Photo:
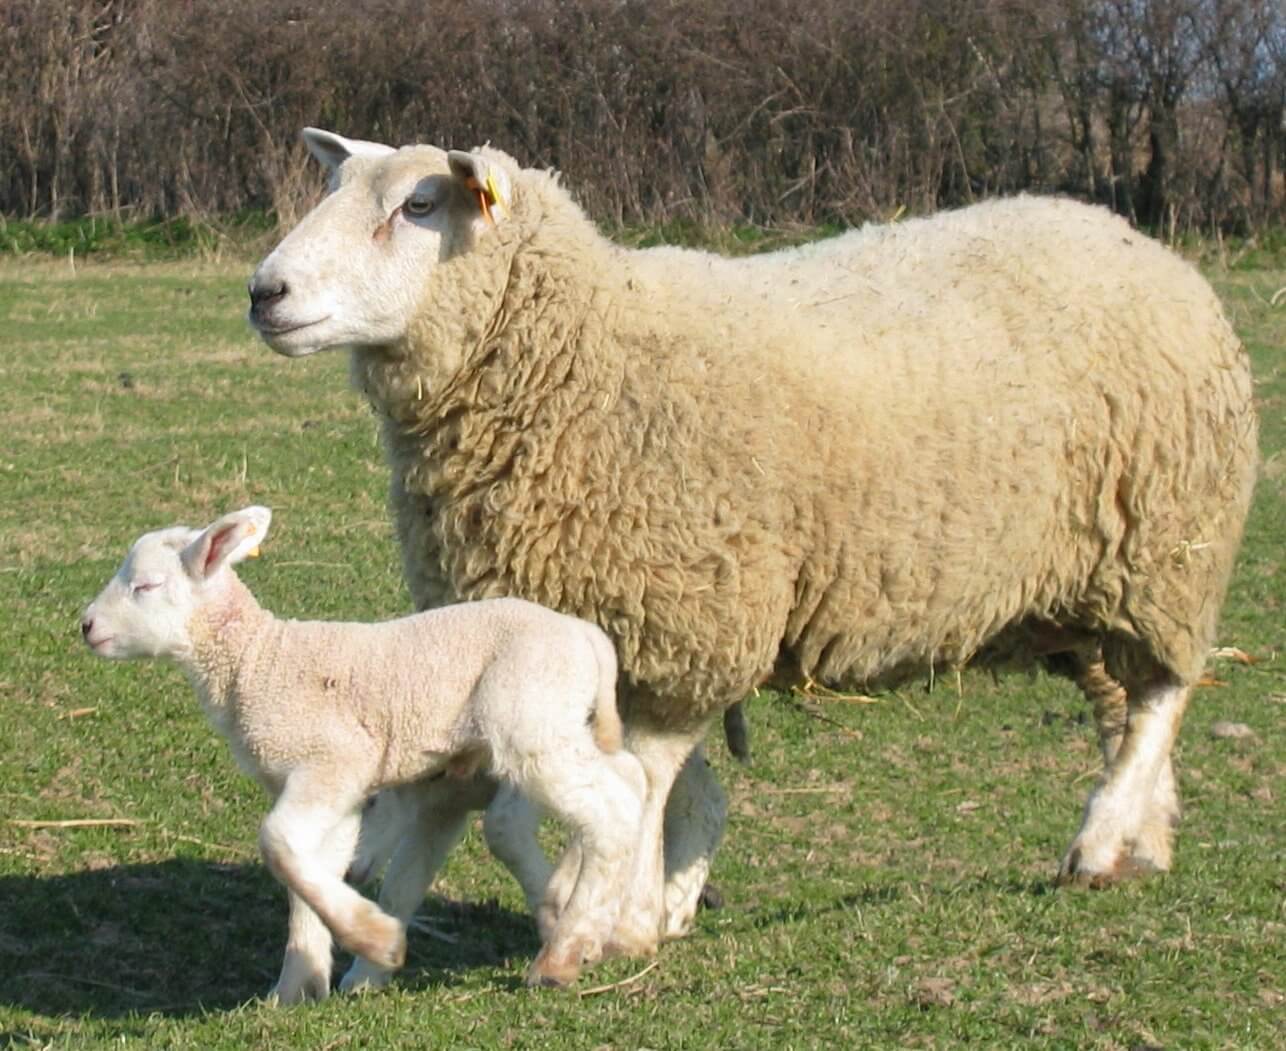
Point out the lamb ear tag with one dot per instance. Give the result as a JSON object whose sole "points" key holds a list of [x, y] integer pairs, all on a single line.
{"points": [[253, 552]]}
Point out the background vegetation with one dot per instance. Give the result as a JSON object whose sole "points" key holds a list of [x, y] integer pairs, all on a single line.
{"points": [[761, 111]]}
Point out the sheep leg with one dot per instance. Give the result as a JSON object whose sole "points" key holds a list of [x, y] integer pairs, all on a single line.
{"points": [[441, 817], [1127, 818], [638, 930], [293, 841], [305, 970], [558, 890], [509, 827], [1153, 846], [601, 800], [694, 820], [1151, 851]]}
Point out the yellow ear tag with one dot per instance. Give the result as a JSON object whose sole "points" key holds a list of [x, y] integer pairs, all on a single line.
{"points": [[252, 553], [493, 191], [489, 196]]}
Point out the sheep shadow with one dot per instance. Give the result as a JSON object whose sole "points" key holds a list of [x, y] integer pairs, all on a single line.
{"points": [[185, 937]]}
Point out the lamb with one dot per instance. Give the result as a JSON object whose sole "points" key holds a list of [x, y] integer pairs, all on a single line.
{"points": [[324, 714], [1017, 431], [412, 828]]}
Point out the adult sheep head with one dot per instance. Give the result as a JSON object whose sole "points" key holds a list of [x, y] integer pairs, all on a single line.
{"points": [[351, 273]]}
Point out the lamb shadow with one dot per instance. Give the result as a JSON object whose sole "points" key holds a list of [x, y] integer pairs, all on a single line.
{"points": [[450, 937], [176, 937], [184, 937]]}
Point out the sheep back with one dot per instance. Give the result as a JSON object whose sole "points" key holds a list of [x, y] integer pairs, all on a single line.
{"points": [[902, 448]]}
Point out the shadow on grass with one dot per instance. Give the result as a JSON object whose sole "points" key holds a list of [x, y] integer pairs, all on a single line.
{"points": [[463, 936], [183, 937], [816, 907]]}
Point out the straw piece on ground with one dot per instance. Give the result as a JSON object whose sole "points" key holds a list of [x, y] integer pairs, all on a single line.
{"points": [[83, 822]]}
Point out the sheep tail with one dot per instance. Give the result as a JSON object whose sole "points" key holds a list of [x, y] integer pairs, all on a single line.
{"points": [[608, 733], [736, 732]]}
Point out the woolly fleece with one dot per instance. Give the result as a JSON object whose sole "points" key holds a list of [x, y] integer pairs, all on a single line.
{"points": [[900, 449]]}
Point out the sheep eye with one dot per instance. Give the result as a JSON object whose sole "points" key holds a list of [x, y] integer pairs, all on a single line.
{"points": [[144, 585], [418, 205]]}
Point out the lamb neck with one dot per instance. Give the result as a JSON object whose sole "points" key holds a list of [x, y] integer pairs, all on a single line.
{"points": [[225, 635]]}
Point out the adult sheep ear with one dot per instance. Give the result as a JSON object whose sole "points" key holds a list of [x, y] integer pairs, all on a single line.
{"points": [[226, 542], [333, 150], [487, 182]]}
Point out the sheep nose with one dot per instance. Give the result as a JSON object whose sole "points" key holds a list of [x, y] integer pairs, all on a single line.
{"points": [[86, 626], [263, 294]]}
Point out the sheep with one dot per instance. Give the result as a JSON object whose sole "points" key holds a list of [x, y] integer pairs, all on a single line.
{"points": [[1016, 431], [323, 714]]}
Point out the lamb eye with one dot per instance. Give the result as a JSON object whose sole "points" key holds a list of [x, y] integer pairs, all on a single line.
{"points": [[144, 585], [418, 205]]}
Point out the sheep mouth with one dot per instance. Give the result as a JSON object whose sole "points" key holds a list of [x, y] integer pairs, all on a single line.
{"points": [[275, 331], [96, 645]]}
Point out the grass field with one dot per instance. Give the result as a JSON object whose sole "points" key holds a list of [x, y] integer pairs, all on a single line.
{"points": [[886, 869]]}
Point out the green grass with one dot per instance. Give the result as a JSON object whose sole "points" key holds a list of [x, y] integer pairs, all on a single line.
{"points": [[149, 239], [887, 883]]}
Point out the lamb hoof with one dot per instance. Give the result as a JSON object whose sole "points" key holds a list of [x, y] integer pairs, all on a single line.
{"points": [[381, 939], [711, 897], [288, 993]]}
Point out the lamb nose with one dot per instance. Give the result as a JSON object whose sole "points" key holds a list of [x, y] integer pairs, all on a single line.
{"points": [[263, 294], [86, 626]]}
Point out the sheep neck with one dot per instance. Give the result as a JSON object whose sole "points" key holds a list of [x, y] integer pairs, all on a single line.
{"points": [[483, 352]]}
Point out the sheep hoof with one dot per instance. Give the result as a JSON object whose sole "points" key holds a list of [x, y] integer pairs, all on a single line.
{"points": [[629, 947], [711, 897], [1075, 871], [549, 972], [1151, 852], [364, 978], [537, 980], [546, 920], [632, 940]]}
